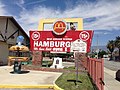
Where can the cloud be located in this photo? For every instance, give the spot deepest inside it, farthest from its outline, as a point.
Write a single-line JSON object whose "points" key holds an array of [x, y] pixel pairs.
{"points": [[2, 10], [34, 2], [30, 19], [107, 16], [20, 3], [99, 32], [99, 15]]}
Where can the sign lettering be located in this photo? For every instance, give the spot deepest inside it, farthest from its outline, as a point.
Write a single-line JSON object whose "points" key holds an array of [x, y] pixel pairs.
{"points": [[72, 40], [84, 36]]}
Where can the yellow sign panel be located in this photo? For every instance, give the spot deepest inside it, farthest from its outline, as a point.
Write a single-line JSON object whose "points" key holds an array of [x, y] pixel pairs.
{"points": [[47, 24]]}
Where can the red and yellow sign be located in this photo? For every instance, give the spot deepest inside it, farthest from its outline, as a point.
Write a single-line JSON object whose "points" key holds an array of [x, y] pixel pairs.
{"points": [[59, 27], [49, 22], [72, 40]]}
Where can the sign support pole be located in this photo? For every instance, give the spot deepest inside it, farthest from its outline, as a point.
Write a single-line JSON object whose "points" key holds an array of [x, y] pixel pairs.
{"points": [[76, 66], [76, 70]]}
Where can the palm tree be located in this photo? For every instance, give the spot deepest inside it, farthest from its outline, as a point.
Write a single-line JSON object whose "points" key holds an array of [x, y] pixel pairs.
{"points": [[111, 46], [117, 44]]}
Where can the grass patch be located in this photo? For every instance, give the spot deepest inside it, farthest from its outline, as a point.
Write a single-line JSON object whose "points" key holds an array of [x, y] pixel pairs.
{"points": [[46, 63], [84, 78], [70, 68]]}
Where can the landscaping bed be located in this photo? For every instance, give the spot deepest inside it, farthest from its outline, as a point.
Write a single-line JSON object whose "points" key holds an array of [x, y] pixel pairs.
{"points": [[66, 80], [39, 68], [64, 83]]}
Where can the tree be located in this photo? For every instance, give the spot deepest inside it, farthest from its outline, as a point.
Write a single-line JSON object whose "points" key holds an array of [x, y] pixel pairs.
{"points": [[111, 46], [117, 44], [101, 53]]}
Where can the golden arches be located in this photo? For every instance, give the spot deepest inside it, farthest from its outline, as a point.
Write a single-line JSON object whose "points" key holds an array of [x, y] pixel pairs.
{"points": [[59, 25]]}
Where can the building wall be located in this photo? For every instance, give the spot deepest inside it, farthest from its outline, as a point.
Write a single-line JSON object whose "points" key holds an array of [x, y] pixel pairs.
{"points": [[10, 30], [2, 26], [4, 46], [3, 52]]}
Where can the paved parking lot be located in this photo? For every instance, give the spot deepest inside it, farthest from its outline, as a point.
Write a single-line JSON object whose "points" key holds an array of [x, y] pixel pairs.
{"points": [[111, 64], [33, 78]]}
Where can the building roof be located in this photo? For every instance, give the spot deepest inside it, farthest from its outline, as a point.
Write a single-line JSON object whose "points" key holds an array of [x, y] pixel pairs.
{"points": [[16, 24]]}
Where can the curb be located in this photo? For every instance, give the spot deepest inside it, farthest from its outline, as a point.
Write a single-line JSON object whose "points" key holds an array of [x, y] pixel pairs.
{"points": [[55, 85], [27, 86], [57, 88]]}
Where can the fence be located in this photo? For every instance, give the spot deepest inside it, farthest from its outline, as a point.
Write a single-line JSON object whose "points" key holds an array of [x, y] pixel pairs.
{"points": [[95, 68]]}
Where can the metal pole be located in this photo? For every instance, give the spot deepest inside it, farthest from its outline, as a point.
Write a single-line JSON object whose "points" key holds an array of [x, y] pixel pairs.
{"points": [[97, 46], [77, 70]]}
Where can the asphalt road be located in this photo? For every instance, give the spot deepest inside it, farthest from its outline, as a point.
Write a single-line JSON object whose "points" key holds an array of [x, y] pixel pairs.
{"points": [[113, 65]]}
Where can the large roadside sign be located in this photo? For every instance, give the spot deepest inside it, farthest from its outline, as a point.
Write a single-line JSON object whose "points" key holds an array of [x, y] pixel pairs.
{"points": [[70, 41]]}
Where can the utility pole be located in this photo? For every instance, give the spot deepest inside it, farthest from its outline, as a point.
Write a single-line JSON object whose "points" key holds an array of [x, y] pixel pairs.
{"points": [[97, 47]]}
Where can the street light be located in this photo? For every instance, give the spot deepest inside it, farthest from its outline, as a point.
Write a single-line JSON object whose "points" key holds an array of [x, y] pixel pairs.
{"points": [[97, 47]]}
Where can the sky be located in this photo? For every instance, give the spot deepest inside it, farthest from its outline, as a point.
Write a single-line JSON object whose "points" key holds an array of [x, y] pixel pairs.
{"points": [[102, 16]]}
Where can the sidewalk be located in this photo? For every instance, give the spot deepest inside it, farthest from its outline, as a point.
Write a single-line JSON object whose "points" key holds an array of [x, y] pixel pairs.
{"points": [[33, 78], [110, 82]]}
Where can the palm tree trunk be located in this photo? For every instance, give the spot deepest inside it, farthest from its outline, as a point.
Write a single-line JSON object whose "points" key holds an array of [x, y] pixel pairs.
{"points": [[119, 51], [111, 57], [119, 54]]}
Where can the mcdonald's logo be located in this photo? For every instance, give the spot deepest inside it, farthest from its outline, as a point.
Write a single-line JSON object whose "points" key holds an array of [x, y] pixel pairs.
{"points": [[59, 27]]}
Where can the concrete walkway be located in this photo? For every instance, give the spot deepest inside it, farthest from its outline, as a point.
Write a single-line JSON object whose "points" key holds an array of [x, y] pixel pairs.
{"points": [[32, 78], [110, 82]]}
